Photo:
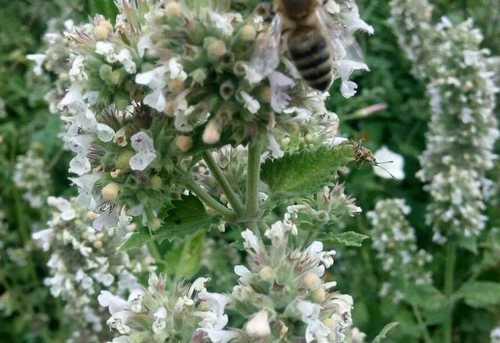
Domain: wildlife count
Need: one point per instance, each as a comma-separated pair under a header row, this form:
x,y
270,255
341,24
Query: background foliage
x,y
401,126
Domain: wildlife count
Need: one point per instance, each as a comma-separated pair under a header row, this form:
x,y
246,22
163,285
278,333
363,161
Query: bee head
x,y
298,9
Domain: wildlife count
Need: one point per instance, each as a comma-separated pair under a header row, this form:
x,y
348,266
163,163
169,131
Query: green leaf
x,y
137,240
307,171
385,331
187,217
184,258
105,7
427,297
348,239
480,294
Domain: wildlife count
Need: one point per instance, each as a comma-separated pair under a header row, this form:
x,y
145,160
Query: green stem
x,y
253,178
231,195
208,199
423,327
451,257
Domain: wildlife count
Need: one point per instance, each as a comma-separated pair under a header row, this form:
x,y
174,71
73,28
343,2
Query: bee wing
x,y
266,56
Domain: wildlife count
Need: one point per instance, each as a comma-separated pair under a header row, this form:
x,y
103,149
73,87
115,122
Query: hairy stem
x,y
253,177
208,199
451,257
423,327
231,195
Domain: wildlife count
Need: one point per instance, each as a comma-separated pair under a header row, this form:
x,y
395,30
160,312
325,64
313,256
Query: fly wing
x,y
266,56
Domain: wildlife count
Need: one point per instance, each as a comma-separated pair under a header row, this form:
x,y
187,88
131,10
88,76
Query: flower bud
x,y
156,183
240,68
173,9
311,281
266,94
103,29
184,143
91,215
122,162
98,244
258,326
155,224
248,33
216,48
319,295
212,132
106,73
110,191
267,274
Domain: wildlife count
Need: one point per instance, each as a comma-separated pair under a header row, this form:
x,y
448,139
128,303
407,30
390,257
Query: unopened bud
x,y
156,182
155,224
212,132
267,274
311,281
248,33
173,9
110,191
319,295
103,30
98,244
131,227
122,162
184,143
266,94
115,173
91,215
258,326
216,48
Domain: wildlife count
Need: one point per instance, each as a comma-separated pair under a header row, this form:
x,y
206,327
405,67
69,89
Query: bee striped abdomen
x,y
311,56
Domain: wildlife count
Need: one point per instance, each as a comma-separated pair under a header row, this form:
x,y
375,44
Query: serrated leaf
x,y
190,259
427,297
385,331
307,171
136,240
105,7
348,239
187,217
480,294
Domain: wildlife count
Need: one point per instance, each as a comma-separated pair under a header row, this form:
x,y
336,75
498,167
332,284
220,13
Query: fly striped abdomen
x,y
310,54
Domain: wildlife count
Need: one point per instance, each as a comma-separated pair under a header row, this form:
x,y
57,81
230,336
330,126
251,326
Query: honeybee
x,y
303,29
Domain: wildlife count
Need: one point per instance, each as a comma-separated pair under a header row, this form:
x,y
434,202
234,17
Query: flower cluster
x,y
284,290
32,178
396,246
168,312
330,207
170,79
83,262
463,127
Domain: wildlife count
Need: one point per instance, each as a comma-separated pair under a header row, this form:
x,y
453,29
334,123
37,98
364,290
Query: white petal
x,y
79,165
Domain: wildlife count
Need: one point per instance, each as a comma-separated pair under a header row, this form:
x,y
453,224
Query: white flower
x,y
251,104
39,59
495,335
112,302
125,58
393,164
346,68
144,44
105,133
258,326
251,242
64,206
160,317
175,70
79,165
222,23
244,273
77,71
280,84
156,81
43,238
135,300
145,151
107,50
